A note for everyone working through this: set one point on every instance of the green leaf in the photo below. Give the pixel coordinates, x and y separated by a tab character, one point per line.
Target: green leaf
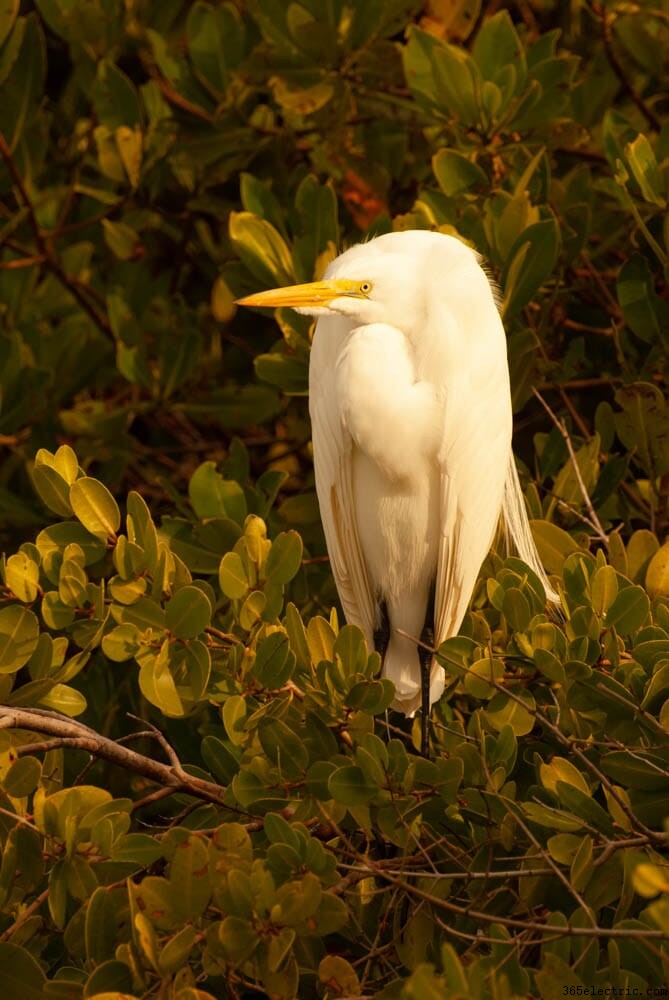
115	98
141	529
640	157
648	880
285	557
476	680
109	980
232	576
530	263
350	786
95	507
8	11
640	303
100	925
262	249
19	632
213	496
454	973
458	83
643	425
234	719
629	610
561	769
274	662
207	28
553	544
337	975
259	199
188	613
64	699
283	745
497	47
320	639
22	577
657	574
174	955
298	635
56	615
121	239
237	938
372	697
504	711
456	173
516	608
157	683
121	643
20	974
22	777
190	876
130	145
53	489
289	370
603	590
22	90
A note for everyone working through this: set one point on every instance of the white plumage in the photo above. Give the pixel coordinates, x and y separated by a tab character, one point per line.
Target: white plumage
411	415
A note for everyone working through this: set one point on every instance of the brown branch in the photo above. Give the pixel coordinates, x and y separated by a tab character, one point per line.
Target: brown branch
6	154
177	99
92	220
15	265
606	23
76	289
27	913
490	918
46	255
75	735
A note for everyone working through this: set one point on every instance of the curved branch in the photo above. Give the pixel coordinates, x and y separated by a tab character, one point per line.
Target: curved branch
69	734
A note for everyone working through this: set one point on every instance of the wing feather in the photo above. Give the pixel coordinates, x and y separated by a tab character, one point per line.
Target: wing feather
473	460
333	449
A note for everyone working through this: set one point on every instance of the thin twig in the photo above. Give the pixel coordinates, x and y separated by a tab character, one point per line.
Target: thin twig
27	913
6	154
606	23
594	521
46	256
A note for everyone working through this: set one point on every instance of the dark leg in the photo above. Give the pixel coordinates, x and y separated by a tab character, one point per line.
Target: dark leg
425	657
382	633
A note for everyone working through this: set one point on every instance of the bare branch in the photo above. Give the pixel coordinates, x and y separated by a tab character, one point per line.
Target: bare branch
75	735
594	521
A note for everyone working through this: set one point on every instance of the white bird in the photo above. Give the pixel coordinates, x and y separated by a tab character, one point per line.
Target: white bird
410	406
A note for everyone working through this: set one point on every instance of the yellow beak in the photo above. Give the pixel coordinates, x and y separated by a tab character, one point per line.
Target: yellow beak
315	293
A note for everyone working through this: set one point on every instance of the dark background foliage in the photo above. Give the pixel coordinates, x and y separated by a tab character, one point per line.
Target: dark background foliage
269	828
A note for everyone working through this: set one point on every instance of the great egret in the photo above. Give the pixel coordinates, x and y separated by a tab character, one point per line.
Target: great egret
411	415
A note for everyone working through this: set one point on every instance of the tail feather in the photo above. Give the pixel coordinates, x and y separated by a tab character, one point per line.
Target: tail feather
401	665
518	528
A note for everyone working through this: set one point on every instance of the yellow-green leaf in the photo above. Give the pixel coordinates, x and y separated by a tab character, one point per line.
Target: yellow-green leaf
22	576
95	507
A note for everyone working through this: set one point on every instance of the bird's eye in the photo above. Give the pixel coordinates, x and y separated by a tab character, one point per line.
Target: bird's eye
365	287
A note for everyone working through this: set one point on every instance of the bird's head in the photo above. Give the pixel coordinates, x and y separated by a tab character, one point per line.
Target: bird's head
386	280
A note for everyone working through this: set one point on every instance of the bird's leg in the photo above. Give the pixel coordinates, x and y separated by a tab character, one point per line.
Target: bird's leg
382	633
381	640
425	658
425	670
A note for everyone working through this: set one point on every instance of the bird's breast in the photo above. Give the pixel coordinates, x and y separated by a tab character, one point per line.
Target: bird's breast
393	418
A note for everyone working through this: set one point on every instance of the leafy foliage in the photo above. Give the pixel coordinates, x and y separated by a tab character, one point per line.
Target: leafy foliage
270	826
